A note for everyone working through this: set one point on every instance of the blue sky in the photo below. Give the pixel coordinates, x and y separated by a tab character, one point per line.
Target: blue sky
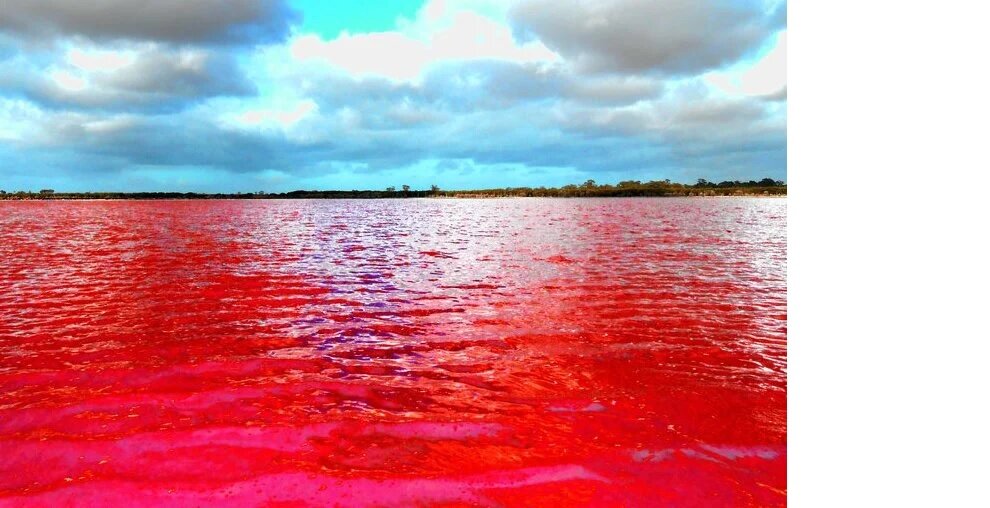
330	18
247	95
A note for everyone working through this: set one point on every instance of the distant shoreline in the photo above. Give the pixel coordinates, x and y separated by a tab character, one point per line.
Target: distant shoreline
764	196
589	189
249	197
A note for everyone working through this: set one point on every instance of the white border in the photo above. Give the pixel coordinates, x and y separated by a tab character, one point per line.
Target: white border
888	225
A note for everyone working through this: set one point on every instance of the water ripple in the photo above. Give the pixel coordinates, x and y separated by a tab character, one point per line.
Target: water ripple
502	352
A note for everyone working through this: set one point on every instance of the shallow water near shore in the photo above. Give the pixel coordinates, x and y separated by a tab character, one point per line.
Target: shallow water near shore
500	352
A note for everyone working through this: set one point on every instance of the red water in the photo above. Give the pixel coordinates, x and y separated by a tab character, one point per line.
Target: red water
400	352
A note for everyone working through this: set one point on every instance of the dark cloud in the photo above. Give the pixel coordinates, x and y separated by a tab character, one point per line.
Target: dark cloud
610	111
460	88
623	145
613	90
478	85
670	36
780	95
706	121
714	113
170	140
173	21
157	79
182	74
499	84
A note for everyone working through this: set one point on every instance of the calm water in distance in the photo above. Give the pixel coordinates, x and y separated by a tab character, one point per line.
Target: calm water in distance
499	352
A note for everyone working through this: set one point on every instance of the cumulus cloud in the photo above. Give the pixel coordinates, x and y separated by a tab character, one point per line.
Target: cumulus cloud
440	33
119	55
149	76
122	140
501	84
690	112
766	78
468	93
174	21
670	36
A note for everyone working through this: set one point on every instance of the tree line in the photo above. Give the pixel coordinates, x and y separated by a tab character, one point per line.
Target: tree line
628	188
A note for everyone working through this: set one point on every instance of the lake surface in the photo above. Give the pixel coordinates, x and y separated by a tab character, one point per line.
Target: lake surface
502	352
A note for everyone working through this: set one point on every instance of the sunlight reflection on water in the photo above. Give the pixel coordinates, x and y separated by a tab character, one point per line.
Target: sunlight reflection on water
556	351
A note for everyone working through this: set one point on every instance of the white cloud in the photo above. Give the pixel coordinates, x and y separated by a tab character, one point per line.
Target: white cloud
440	33
146	75
388	54
459	82
99	60
109	125
767	76
283	117
68	81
